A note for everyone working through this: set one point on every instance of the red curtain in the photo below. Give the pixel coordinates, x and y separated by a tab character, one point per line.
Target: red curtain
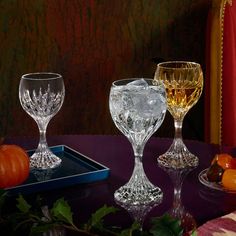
220	81
228	132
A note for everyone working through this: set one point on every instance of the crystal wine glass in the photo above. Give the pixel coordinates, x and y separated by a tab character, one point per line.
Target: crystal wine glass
138	108
184	83
41	96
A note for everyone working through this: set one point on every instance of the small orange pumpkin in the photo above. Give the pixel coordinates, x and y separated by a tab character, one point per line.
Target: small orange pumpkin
14	165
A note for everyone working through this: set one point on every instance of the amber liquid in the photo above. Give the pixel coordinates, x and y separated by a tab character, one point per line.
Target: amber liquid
182	96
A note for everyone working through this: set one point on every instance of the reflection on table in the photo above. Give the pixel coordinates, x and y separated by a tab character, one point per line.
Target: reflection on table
115	152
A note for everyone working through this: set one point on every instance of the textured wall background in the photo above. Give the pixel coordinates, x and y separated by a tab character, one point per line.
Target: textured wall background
92	43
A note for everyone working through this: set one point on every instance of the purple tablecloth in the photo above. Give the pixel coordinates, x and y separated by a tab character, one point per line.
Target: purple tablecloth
116	153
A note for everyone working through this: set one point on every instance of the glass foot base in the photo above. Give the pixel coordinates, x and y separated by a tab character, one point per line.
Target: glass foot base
142	195
44	160
43	174
178	160
178	157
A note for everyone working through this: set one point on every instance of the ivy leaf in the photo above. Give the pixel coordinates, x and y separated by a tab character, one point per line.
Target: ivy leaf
101	213
62	211
128	232
42	228
194	233
3	195
22	204
166	226
2	192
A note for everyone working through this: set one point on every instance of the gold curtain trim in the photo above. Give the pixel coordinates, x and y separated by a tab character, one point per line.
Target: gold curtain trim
216	59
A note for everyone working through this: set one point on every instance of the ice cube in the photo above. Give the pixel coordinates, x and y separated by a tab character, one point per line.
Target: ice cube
127	100
156	101
149	102
137	82
132	94
141	106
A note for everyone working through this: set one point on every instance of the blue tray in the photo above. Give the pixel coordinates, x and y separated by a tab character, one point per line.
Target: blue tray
75	168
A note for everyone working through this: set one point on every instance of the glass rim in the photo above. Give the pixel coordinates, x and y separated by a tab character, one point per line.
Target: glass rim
165	65
41	76
114	83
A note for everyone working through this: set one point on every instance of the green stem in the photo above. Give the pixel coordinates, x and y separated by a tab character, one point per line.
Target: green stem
74	228
23	222
87	232
34	217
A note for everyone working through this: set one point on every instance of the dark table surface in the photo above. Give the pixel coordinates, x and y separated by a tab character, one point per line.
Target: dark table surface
115	152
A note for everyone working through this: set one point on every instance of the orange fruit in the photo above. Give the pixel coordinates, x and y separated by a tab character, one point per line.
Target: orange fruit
229	179
223	160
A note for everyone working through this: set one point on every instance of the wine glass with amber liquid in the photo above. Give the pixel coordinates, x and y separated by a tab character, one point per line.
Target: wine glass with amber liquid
184	83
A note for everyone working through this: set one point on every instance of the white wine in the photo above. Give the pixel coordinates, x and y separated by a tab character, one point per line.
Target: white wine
181	98
183	87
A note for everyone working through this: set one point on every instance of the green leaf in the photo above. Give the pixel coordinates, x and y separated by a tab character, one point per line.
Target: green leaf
3	194
166	226
194	233
97	217
42	228
62	211
22	204
128	232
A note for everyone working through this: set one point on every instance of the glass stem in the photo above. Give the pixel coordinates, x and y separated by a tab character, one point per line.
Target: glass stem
178	129
177	178
138	172
42	125
177	195
138	165
138	152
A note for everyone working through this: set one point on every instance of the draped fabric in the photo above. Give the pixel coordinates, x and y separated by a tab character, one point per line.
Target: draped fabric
229	76
220	100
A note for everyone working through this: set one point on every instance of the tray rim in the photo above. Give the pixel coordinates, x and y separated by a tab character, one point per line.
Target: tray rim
104	169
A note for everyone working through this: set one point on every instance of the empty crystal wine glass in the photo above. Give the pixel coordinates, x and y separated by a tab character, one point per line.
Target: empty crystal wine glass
184	83
41	96
138	108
